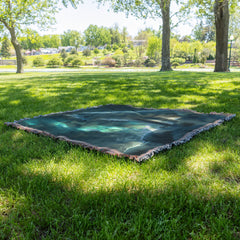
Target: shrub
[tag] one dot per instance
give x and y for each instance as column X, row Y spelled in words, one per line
column 97, row 62
column 125, row 50
column 63, row 54
column 68, row 60
column 130, row 63
column 211, row 57
column 109, row 61
column 138, row 62
column 105, row 52
column 86, row 52
column 73, row 61
column 115, row 46
column 118, row 52
column 180, row 54
column 195, row 56
column 126, row 59
column 131, row 46
column 74, row 51
column 175, row 64
column 38, row 62
column 96, row 50
column 109, row 48
column 54, row 62
column 195, row 59
column 203, row 59
column 24, row 60
column 236, row 54
column 76, row 62
column 119, row 60
column 122, row 45
column 150, row 62
column 178, row 60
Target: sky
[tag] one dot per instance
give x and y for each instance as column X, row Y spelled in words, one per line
column 88, row 13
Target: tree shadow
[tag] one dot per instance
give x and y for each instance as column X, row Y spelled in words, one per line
column 52, row 209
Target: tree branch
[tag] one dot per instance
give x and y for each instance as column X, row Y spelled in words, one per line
column 5, row 23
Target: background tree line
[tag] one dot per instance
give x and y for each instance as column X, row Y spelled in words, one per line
column 94, row 36
column 17, row 15
column 196, row 48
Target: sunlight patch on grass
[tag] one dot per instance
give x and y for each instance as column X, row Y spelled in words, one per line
column 17, row 136
column 5, row 207
column 193, row 98
column 85, row 178
column 111, row 98
column 67, row 173
column 10, row 202
column 15, row 102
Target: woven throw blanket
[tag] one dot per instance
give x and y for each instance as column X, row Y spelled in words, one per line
column 123, row 130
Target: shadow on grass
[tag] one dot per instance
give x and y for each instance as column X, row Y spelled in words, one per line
column 110, row 198
column 45, row 206
column 55, row 92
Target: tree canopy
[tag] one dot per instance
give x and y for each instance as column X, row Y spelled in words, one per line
column 22, row 13
column 234, row 25
column 17, row 15
column 97, row 36
column 71, row 38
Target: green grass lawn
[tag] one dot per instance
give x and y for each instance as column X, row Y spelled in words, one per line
column 52, row 190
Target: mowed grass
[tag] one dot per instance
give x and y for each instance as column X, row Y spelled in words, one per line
column 52, row 190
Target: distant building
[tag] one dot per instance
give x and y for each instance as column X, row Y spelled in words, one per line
column 48, row 50
column 33, row 52
column 137, row 43
column 102, row 47
column 67, row 48
column 82, row 48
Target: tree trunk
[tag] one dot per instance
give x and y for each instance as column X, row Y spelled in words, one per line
column 17, row 48
column 165, row 8
column 221, row 12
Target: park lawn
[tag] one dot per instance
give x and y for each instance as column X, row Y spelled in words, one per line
column 52, row 190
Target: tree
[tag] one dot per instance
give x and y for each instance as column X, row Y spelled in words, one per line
column 115, row 35
column 31, row 41
column 165, row 9
column 186, row 38
column 221, row 10
column 5, row 49
column 234, row 25
column 97, row 36
column 144, row 9
column 15, row 15
column 205, row 32
column 124, row 35
column 72, row 38
column 144, row 35
column 51, row 41
column 154, row 48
